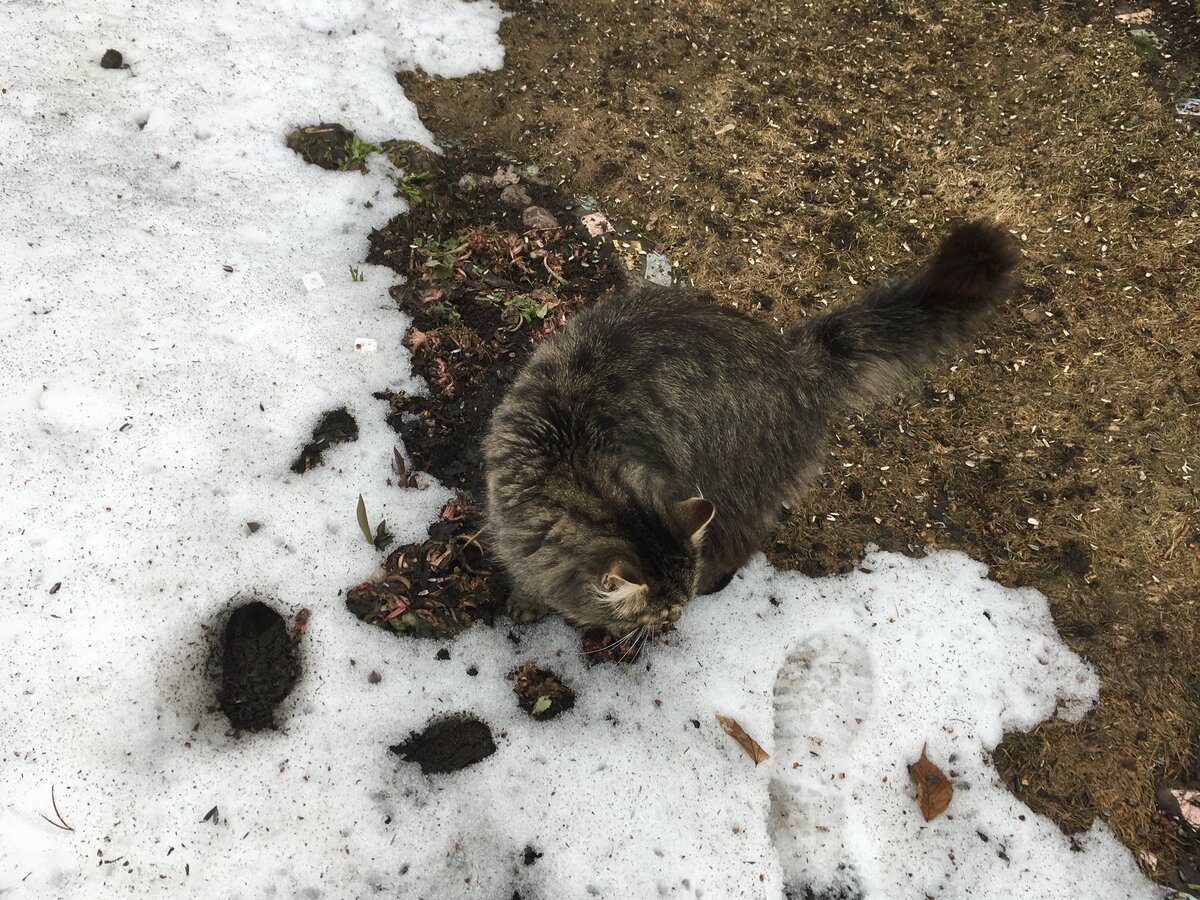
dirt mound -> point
(260, 666)
(447, 745)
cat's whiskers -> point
(613, 644)
(632, 648)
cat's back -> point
(660, 337)
(647, 370)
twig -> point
(61, 823)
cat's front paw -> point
(525, 609)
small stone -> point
(468, 183)
(538, 218)
(443, 654)
(515, 196)
(374, 678)
(111, 59)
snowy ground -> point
(152, 403)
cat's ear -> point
(697, 514)
(623, 589)
(621, 576)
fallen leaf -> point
(1189, 805)
(542, 704)
(301, 625)
(735, 731)
(933, 788)
(414, 339)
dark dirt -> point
(448, 744)
(112, 59)
(530, 856)
(335, 427)
(260, 666)
(788, 155)
(540, 693)
(483, 288)
(437, 588)
(327, 145)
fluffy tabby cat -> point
(646, 450)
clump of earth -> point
(540, 693)
(260, 664)
(447, 744)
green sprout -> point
(527, 305)
(441, 256)
(356, 151)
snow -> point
(152, 404)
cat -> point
(647, 448)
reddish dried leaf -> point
(301, 624)
(1189, 806)
(933, 787)
(749, 744)
(401, 607)
(414, 339)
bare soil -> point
(785, 155)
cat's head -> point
(643, 566)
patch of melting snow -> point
(155, 221)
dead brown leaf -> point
(301, 624)
(749, 744)
(414, 339)
(933, 788)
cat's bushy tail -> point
(873, 344)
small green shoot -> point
(404, 478)
(527, 305)
(356, 274)
(1147, 44)
(406, 187)
(363, 522)
(542, 704)
(357, 150)
(441, 257)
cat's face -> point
(645, 569)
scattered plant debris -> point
(540, 693)
(61, 824)
(448, 744)
(483, 287)
(436, 588)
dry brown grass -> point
(858, 132)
